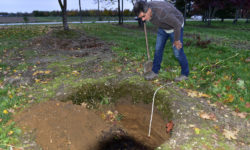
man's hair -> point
(140, 6)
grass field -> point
(218, 69)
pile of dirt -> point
(58, 39)
(59, 125)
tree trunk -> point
(64, 14)
(119, 12)
(122, 12)
(80, 9)
(209, 15)
(99, 14)
(236, 16)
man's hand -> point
(178, 44)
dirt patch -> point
(56, 46)
(58, 39)
(59, 125)
(136, 122)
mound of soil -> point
(58, 39)
(59, 125)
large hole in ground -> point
(132, 101)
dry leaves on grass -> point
(41, 72)
(230, 134)
(197, 94)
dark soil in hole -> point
(118, 142)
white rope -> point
(152, 111)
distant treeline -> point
(87, 13)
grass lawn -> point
(218, 69)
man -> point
(170, 24)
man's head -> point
(142, 10)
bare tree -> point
(98, 8)
(64, 13)
(80, 9)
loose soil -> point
(59, 125)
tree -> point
(238, 5)
(64, 13)
(80, 9)
(182, 6)
(119, 8)
(247, 11)
(208, 8)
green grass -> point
(10, 97)
(219, 69)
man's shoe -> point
(151, 76)
(181, 78)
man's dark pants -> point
(162, 37)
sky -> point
(49, 5)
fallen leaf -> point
(204, 115)
(37, 80)
(210, 116)
(197, 131)
(47, 72)
(75, 73)
(230, 134)
(169, 126)
(197, 94)
(247, 105)
(241, 115)
(229, 99)
(10, 132)
(118, 69)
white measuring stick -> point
(152, 111)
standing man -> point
(170, 24)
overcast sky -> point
(48, 5)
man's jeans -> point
(162, 37)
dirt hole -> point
(64, 125)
